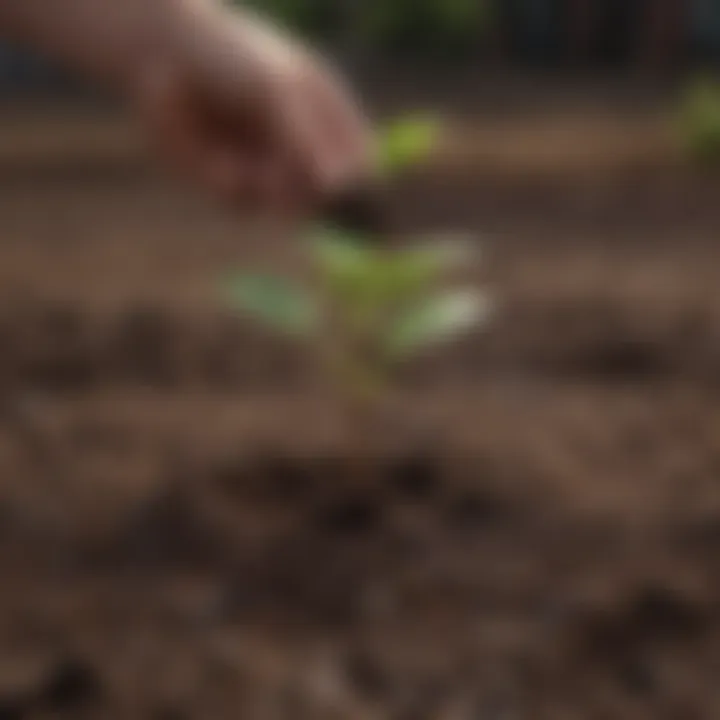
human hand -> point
(254, 116)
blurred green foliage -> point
(305, 16)
(699, 121)
(387, 25)
(406, 142)
(408, 25)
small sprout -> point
(699, 121)
(373, 308)
(406, 143)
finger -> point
(344, 125)
(302, 144)
(187, 140)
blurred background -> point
(552, 33)
(185, 532)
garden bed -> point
(187, 532)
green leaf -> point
(699, 121)
(402, 275)
(406, 142)
(340, 254)
(425, 261)
(349, 271)
(370, 282)
(276, 303)
(436, 320)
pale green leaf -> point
(276, 303)
(437, 320)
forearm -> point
(111, 39)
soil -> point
(187, 532)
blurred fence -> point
(450, 27)
(533, 30)
(705, 24)
(529, 31)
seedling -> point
(371, 307)
(370, 310)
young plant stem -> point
(361, 390)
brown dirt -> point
(186, 532)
